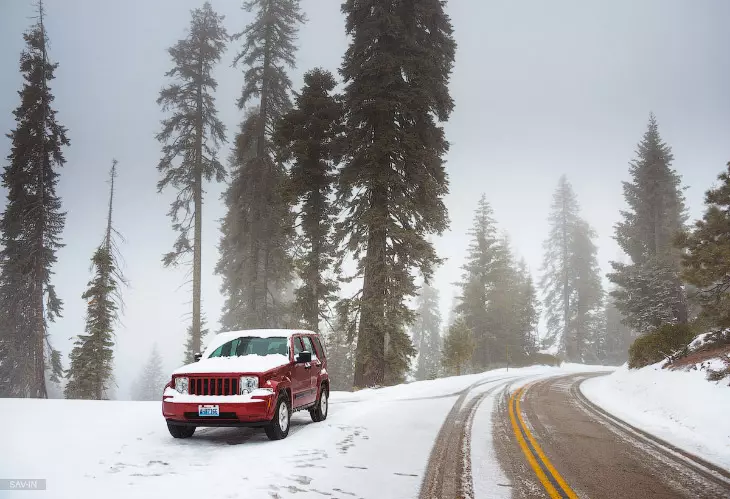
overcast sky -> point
(541, 89)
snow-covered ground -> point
(681, 407)
(375, 443)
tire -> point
(278, 429)
(180, 431)
(319, 411)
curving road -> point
(553, 443)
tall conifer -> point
(30, 228)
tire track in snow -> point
(448, 473)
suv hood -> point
(244, 364)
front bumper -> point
(255, 410)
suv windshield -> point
(250, 345)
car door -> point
(301, 377)
(315, 368)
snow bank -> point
(375, 443)
(243, 364)
(681, 407)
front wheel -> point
(279, 426)
(319, 411)
(180, 431)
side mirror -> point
(304, 357)
(197, 356)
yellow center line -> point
(568, 491)
(554, 494)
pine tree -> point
(30, 228)
(150, 384)
(458, 346)
(340, 347)
(427, 333)
(618, 336)
(310, 136)
(191, 137)
(706, 263)
(396, 71)
(189, 354)
(528, 311)
(257, 230)
(571, 283)
(478, 281)
(90, 375)
(650, 292)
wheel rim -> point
(283, 417)
(323, 402)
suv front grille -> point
(213, 386)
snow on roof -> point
(222, 338)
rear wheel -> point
(279, 426)
(319, 411)
(180, 431)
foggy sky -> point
(541, 89)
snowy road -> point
(555, 443)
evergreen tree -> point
(571, 282)
(257, 230)
(189, 354)
(706, 263)
(458, 346)
(91, 372)
(340, 347)
(618, 336)
(191, 138)
(151, 382)
(478, 281)
(309, 135)
(427, 333)
(650, 292)
(30, 228)
(393, 181)
(528, 311)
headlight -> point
(249, 384)
(181, 385)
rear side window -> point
(309, 346)
(320, 347)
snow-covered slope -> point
(681, 407)
(375, 443)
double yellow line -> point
(549, 477)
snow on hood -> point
(243, 364)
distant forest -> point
(319, 178)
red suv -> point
(250, 378)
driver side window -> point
(308, 346)
(298, 348)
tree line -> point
(319, 178)
(302, 195)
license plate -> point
(208, 410)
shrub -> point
(659, 344)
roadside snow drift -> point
(681, 407)
(374, 444)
